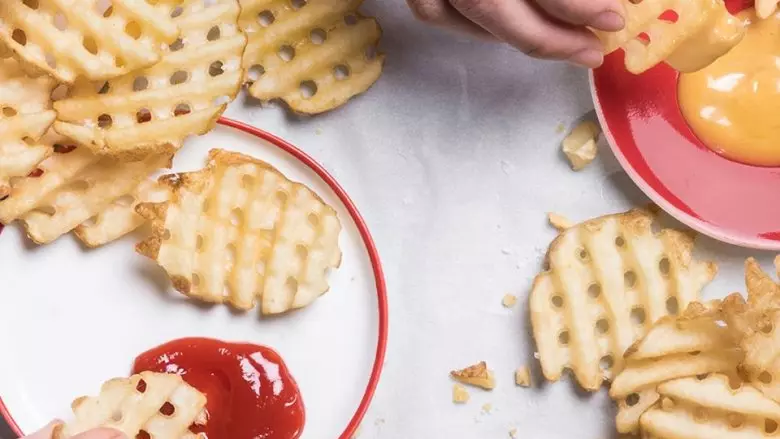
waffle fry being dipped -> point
(608, 280)
(152, 111)
(93, 39)
(238, 231)
(151, 405)
(314, 56)
(687, 34)
(25, 117)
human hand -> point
(99, 433)
(551, 29)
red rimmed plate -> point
(643, 124)
(71, 319)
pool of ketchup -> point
(250, 392)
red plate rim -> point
(373, 254)
(696, 224)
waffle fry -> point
(755, 323)
(698, 33)
(120, 218)
(25, 117)
(238, 231)
(714, 407)
(154, 110)
(72, 188)
(609, 279)
(97, 40)
(314, 57)
(153, 405)
(630, 409)
(692, 344)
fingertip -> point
(590, 58)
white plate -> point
(72, 318)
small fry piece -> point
(702, 32)
(509, 300)
(523, 377)
(136, 404)
(98, 40)
(560, 222)
(314, 57)
(152, 111)
(609, 279)
(580, 145)
(476, 375)
(238, 231)
(459, 394)
(25, 116)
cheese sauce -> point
(733, 105)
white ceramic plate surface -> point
(71, 318)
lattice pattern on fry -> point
(151, 405)
(693, 344)
(25, 117)
(713, 407)
(608, 279)
(71, 187)
(120, 218)
(95, 39)
(154, 110)
(313, 55)
(238, 231)
(755, 322)
(688, 34)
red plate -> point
(643, 124)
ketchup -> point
(250, 392)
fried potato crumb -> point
(523, 377)
(487, 408)
(477, 375)
(513, 433)
(459, 394)
(580, 145)
(509, 301)
(560, 222)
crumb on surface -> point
(558, 221)
(459, 394)
(560, 128)
(487, 408)
(523, 377)
(509, 300)
(477, 375)
(513, 433)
